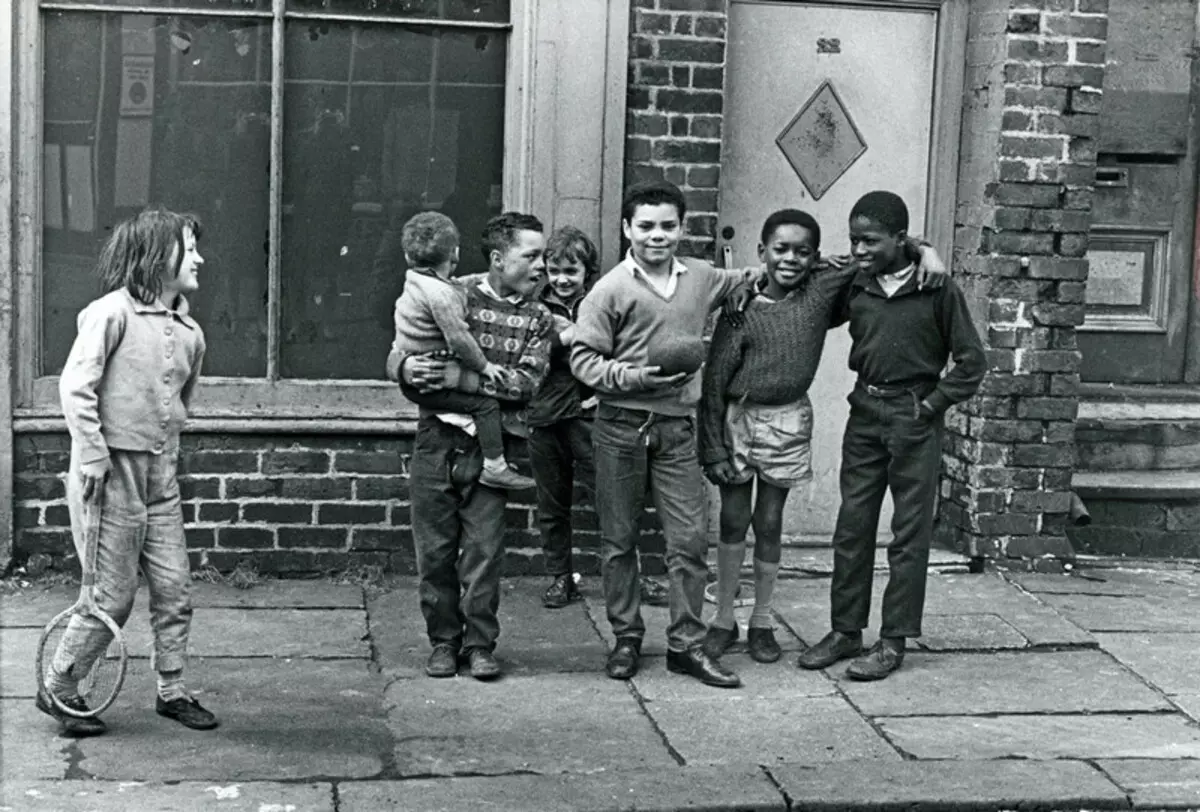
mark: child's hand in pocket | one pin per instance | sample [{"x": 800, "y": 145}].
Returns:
[{"x": 720, "y": 473}]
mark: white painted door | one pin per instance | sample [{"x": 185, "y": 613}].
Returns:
[{"x": 878, "y": 62}]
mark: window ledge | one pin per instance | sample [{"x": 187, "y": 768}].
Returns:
[
  {"x": 32, "y": 424},
  {"x": 1144, "y": 485}
]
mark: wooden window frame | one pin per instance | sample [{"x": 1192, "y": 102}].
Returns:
[{"x": 237, "y": 399}]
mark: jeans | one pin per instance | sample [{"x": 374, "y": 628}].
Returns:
[
  {"x": 141, "y": 527},
  {"x": 560, "y": 454},
  {"x": 485, "y": 411},
  {"x": 888, "y": 443},
  {"x": 638, "y": 452},
  {"x": 458, "y": 533}
]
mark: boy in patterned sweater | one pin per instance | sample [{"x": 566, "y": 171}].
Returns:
[
  {"x": 430, "y": 316},
  {"x": 755, "y": 418}
]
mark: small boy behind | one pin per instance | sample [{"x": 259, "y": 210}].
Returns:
[
  {"x": 560, "y": 419},
  {"x": 902, "y": 336},
  {"x": 431, "y": 316}
]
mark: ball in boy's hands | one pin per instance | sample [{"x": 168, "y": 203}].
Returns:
[{"x": 675, "y": 355}]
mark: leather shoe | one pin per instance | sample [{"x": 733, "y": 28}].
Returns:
[
  {"x": 187, "y": 712},
  {"x": 695, "y": 663},
  {"x": 74, "y": 726},
  {"x": 443, "y": 662},
  {"x": 831, "y": 648},
  {"x": 762, "y": 645},
  {"x": 483, "y": 664},
  {"x": 624, "y": 659},
  {"x": 717, "y": 640},
  {"x": 884, "y": 657},
  {"x": 561, "y": 592}
]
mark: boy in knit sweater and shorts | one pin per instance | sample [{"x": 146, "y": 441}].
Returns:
[{"x": 431, "y": 316}]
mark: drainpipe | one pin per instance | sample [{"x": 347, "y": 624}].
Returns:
[{"x": 1078, "y": 512}]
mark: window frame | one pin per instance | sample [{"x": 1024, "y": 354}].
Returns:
[{"x": 228, "y": 399}]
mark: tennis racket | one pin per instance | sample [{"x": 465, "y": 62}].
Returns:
[{"x": 101, "y": 684}]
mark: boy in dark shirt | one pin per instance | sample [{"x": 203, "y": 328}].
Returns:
[{"x": 902, "y": 337}]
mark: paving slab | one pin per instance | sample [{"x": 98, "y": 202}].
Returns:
[
  {"x": 985, "y": 785},
  {"x": 30, "y": 747},
  {"x": 779, "y": 680},
  {"x": 804, "y": 606},
  {"x": 727, "y": 729},
  {"x": 188, "y": 796},
  {"x": 818, "y": 561},
  {"x": 315, "y": 633},
  {"x": 971, "y": 738},
  {"x": 549, "y": 723},
  {"x": 661, "y": 790},
  {"x": 36, "y": 605},
  {"x": 1168, "y": 660},
  {"x": 984, "y": 631},
  {"x": 275, "y": 594},
  {"x": 656, "y": 619},
  {"x": 1085, "y": 681},
  {"x": 1156, "y": 784},
  {"x": 1110, "y": 613},
  {"x": 1189, "y": 703},
  {"x": 533, "y": 639},
  {"x": 281, "y": 720},
  {"x": 1100, "y": 582},
  {"x": 18, "y": 650}
]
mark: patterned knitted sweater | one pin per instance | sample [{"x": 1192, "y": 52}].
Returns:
[
  {"x": 771, "y": 359},
  {"x": 515, "y": 335}
]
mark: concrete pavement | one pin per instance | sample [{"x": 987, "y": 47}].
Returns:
[{"x": 1028, "y": 691}]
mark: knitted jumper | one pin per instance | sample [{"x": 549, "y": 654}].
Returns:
[
  {"x": 771, "y": 359},
  {"x": 430, "y": 315},
  {"x": 515, "y": 336}
]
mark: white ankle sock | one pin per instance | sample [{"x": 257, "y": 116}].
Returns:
[{"x": 495, "y": 464}]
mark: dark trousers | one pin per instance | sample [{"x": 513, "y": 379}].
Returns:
[
  {"x": 458, "y": 533},
  {"x": 560, "y": 454},
  {"x": 639, "y": 454},
  {"x": 485, "y": 410},
  {"x": 887, "y": 444}
]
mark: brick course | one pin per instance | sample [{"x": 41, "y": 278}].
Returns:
[
  {"x": 290, "y": 504},
  {"x": 1034, "y": 77}
]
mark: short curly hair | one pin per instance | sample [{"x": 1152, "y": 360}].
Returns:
[{"x": 429, "y": 239}]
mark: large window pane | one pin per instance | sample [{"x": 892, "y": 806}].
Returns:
[
  {"x": 459, "y": 10},
  {"x": 380, "y": 122},
  {"x": 142, "y": 110}
]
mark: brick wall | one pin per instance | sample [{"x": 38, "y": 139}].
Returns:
[
  {"x": 287, "y": 504},
  {"x": 675, "y": 106},
  {"x": 1035, "y": 70}
]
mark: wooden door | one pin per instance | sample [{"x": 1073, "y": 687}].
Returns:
[{"x": 824, "y": 103}]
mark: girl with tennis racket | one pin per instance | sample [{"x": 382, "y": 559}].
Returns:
[{"x": 125, "y": 392}]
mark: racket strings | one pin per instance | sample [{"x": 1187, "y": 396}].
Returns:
[{"x": 78, "y": 664}]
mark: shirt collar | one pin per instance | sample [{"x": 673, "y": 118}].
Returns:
[
  {"x": 180, "y": 312},
  {"x": 865, "y": 280},
  {"x": 488, "y": 290},
  {"x": 630, "y": 264}
]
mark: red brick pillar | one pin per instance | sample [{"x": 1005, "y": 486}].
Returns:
[
  {"x": 1035, "y": 69},
  {"x": 675, "y": 106}
]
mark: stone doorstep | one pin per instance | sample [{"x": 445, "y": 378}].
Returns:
[{"x": 1137, "y": 485}]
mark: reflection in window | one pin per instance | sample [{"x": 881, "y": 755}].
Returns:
[
  {"x": 465, "y": 10},
  {"x": 379, "y": 123},
  {"x": 142, "y": 110}
]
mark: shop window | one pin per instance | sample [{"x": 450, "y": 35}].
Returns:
[{"x": 372, "y": 109}]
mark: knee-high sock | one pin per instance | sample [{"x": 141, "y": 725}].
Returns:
[
  {"x": 765, "y": 575},
  {"x": 729, "y": 569}
]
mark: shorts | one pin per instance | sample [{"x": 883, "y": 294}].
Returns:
[{"x": 771, "y": 441}]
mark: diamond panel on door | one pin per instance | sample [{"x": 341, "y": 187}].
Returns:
[{"x": 821, "y": 142}]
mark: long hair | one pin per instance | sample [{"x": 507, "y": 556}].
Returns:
[{"x": 142, "y": 249}]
